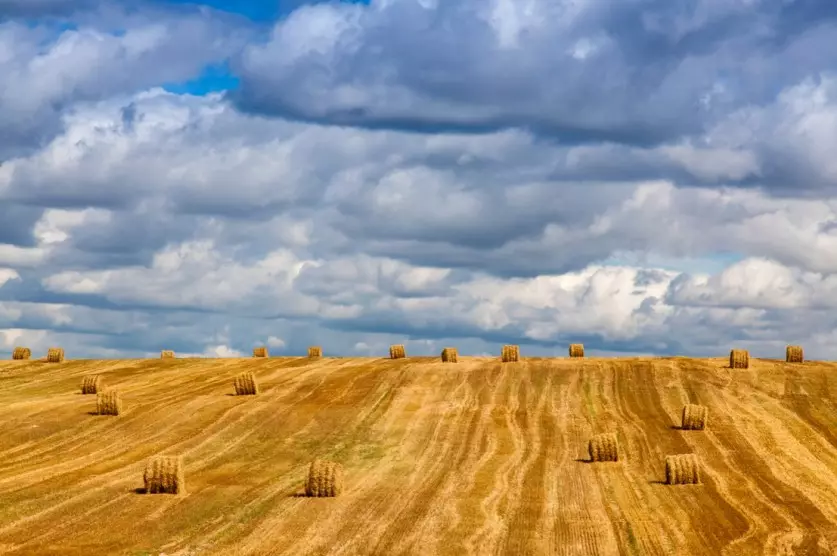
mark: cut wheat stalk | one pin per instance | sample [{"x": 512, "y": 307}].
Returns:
[
  {"x": 450, "y": 355},
  {"x": 108, "y": 403},
  {"x": 604, "y": 447},
  {"x": 397, "y": 351},
  {"x": 325, "y": 479},
  {"x": 682, "y": 469},
  {"x": 694, "y": 417},
  {"x": 164, "y": 475},
  {"x": 21, "y": 353},
  {"x": 576, "y": 350},
  {"x": 91, "y": 384},
  {"x": 739, "y": 359},
  {"x": 793, "y": 354},
  {"x": 510, "y": 354},
  {"x": 55, "y": 355},
  {"x": 246, "y": 385}
]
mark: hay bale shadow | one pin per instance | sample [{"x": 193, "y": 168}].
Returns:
[
  {"x": 657, "y": 482},
  {"x": 584, "y": 460},
  {"x": 140, "y": 490}
]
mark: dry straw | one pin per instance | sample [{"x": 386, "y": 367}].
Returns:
[
  {"x": 325, "y": 478},
  {"x": 21, "y": 353},
  {"x": 167, "y": 354},
  {"x": 510, "y": 354},
  {"x": 246, "y": 385},
  {"x": 164, "y": 475},
  {"x": 397, "y": 351},
  {"x": 604, "y": 447},
  {"x": 793, "y": 354},
  {"x": 55, "y": 355},
  {"x": 739, "y": 359},
  {"x": 91, "y": 384},
  {"x": 108, "y": 403},
  {"x": 450, "y": 355},
  {"x": 576, "y": 350},
  {"x": 260, "y": 351},
  {"x": 694, "y": 417},
  {"x": 682, "y": 469},
  {"x": 315, "y": 351}
]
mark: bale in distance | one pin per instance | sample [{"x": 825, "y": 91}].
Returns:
[
  {"x": 739, "y": 359},
  {"x": 794, "y": 354},
  {"x": 694, "y": 417},
  {"x": 55, "y": 355},
  {"x": 91, "y": 384},
  {"x": 246, "y": 385},
  {"x": 260, "y": 351},
  {"x": 510, "y": 354},
  {"x": 604, "y": 447},
  {"x": 450, "y": 355},
  {"x": 164, "y": 475},
  {"x": 397, "y": 351},
  {"x": 325, "y": 479},
  {"x": 682, "y": 469},
  {"x": 108, "y": 403},
  {"x": 576, "y": 350},
  {"x": 315, "y": 351},
  {"x": 21, "y": 353},
  {"x": 167, "y": 354}
]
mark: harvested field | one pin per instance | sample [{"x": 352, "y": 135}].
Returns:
[{"x": 479, "y": 458}]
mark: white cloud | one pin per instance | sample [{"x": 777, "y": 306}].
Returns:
[{"x": 274, "y": 342}]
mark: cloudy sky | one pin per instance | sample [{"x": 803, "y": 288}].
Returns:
[{"x": 642, "y": 176}]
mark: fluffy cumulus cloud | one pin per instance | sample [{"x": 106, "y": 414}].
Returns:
[{"x": 655, "y": 177}]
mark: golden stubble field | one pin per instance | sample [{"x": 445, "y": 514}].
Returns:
[{"x": 477, "y": 457}]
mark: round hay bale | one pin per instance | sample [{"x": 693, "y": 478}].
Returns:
[
  {"x": 694, "y": 417},
  {"x": 260, "y": 351},
  {"x": 682, "y": 469},
  {"x": 91, "y": 384},
  {"x": 325, "y": 479},
  {"x": 739, "y": 359},
  {"x": 510, "y": 354},
  {"x": 108, "y": 403},
  {"x": 55, "y": 355},
  {"x": 167, "y": 354},
  {"x": 576, "y": 350},
  {"x": 793, "y": 354},
  {"x": 246, "y": 385},
  {"x": 21, "y": 353},
  {"x": 604, "y": 447},
  {"x": 450, "y": 355},
  {"x": 397, "y": 351},
  {"x": 315, "y": 351},
  {"x": 164, "y": 475}
]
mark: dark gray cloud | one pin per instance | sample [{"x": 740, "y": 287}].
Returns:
[{"x": 642, "y": 72}]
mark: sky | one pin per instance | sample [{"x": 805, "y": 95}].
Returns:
[{"x": 642, "y": 176}]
